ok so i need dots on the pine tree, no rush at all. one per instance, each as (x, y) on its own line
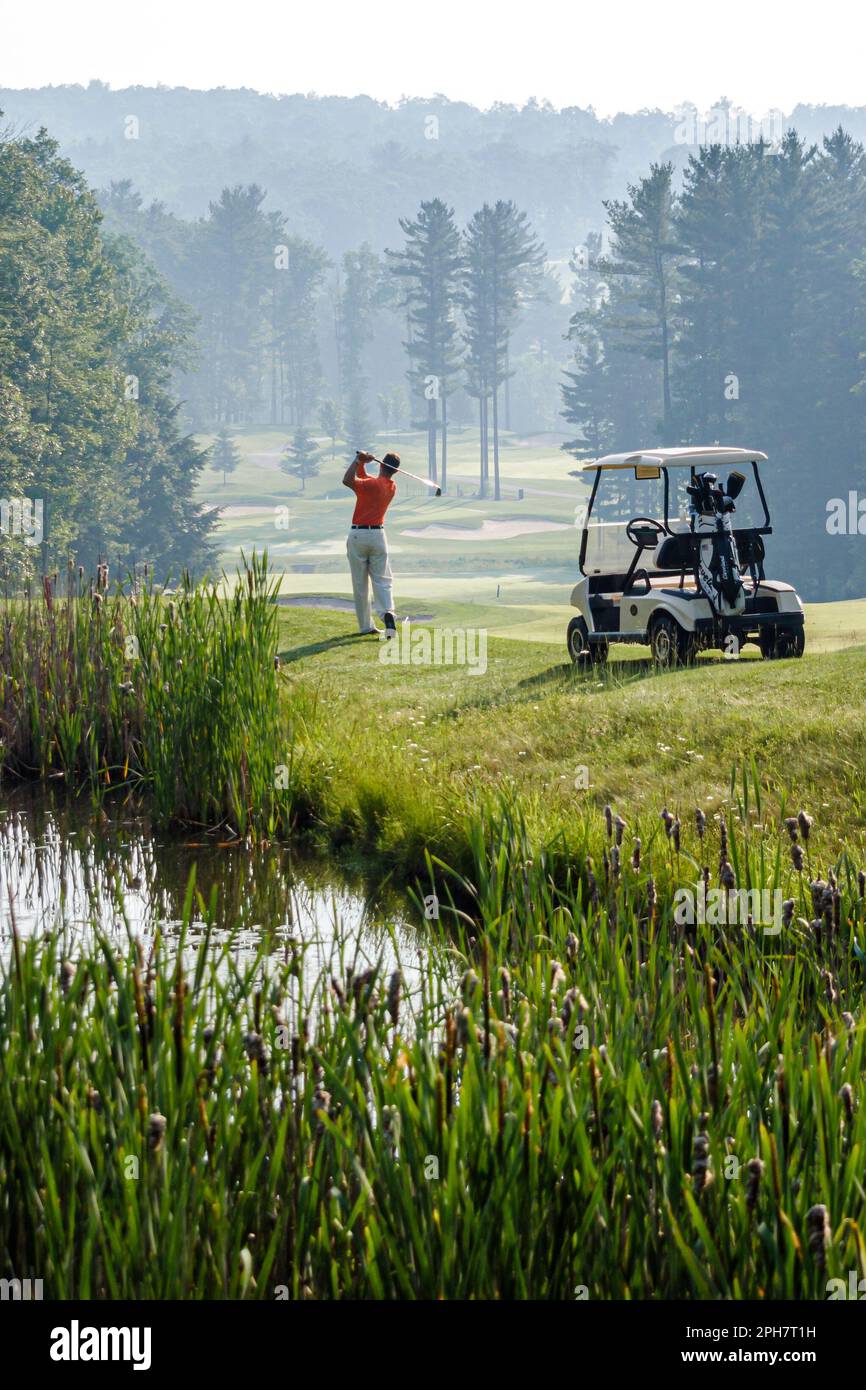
(504, 263)
(302, 458)
(225, 454)
(431, 268)
(330, 422)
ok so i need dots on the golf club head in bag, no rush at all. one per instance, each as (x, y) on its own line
(717, 572)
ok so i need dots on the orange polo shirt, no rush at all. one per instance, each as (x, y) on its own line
(373, 495)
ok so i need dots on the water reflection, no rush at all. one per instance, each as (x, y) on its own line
(64, 869)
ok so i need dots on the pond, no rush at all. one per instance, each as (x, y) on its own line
(65, 869)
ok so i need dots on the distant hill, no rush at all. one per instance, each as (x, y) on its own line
(345, 169)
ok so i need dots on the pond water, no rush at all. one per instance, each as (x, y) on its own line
(64, 869)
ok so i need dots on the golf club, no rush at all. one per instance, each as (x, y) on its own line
(404, 472)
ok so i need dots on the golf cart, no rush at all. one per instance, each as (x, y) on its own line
(672, 555)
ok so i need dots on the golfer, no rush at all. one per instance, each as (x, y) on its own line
(366, 545)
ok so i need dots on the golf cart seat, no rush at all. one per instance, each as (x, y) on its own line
(676, 552)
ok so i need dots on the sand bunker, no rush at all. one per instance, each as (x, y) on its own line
(487, 531)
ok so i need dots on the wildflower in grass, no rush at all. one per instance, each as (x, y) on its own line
(726, 876)
(723, 840)
(792, 827)
(67, 975)
(797, 858)
(805, 823)
(818, 1231)
(675, 835)
(619, 825)
(861, 883)
(635, 855)
(822, 897)
(788, 912)
(321, 1105)
(755, 1170)
(608, 820)
(668, 820)
(614, 860)
(700, 822)
(571, 946)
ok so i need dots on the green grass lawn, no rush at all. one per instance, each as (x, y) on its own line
(410, 749)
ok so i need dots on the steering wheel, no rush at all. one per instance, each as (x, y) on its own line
(643, 521)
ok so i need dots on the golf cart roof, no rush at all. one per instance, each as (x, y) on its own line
(711, 456)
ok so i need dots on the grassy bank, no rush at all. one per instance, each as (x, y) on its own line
(407, 755)
(589, 1101)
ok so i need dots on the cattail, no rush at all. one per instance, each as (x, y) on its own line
(608, 820)
(723, 840)
(394, 987)
(635, 855)
(468, 985)
(700, 822)
(619, 825)
(792, 825)
(67, 975)
(726, 876)
(847, 1097)
(797, 857)
(668, 820)
(861, 883)
(702, 1173)
(788, 912)
(321, 1105)
(614, 860)
(805, 823)
(557, 976)
(592, 883)
(658, 1119)
(675, 835)
(755, 1169)
(155, 1131)
(254, 1046)
(573, 1002)
(818, 1228)
(651, 897)
(571, 946)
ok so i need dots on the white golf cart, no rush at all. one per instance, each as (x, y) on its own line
(673, 556)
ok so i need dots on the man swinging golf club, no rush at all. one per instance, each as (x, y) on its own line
(366, 545)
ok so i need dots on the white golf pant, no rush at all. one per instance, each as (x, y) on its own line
(368, 561)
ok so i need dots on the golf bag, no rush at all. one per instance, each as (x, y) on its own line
(717, 570)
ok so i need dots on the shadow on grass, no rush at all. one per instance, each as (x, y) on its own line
(315, 648)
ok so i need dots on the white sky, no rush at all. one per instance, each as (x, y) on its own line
(614, 55)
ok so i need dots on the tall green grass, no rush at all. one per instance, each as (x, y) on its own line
(174, 696)
(182, 1124)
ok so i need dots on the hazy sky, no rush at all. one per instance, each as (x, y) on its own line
(613, 56)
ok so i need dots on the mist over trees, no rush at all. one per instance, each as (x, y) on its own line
(425, 268)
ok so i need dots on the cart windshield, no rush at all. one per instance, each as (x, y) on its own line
(622, 497)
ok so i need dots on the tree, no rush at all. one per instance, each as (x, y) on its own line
(302, 458)
(431, 269)
(225, 454)
(330, 422)
(504, 262)
(357, 304)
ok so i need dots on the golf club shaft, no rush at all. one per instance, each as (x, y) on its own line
(403, 472)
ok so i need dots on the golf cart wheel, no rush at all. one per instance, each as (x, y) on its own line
(778, 646)
(580, 649)
(670, 646)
